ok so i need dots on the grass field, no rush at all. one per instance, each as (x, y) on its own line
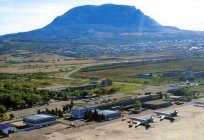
(197, 64)
(45, 62)
(124, 74)
(123, 88)
(151, 81)
(31, 83)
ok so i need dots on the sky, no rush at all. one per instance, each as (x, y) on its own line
(25, 15)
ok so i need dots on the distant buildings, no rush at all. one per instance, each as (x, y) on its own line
(39, 120)
(188, 74)
(7, 129)
(143, 75)
(173, 74)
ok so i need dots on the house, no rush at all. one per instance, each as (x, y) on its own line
(40, 120)
(7, 129)
(80, 113)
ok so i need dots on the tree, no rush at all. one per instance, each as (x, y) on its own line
(60, 114)
(95, 115)
(53, 112)
(84, 93)
(138, 105)
(2, 109)
(33, 99)
(46, 99)
(65, 107)
(102, 117)
(90, 115)
(11, 116)
(39, 111)
(112, 91)
(21, 103)
(103, 91)
(71, 104)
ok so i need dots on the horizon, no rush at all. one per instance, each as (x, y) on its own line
(21, 16)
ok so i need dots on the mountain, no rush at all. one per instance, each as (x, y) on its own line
(92, 20)
(106, 15)
(96, 30)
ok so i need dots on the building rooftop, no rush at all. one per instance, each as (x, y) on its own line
(106, 112)
(156, 102)
(176, 97)
(4, 126)
(39, 117)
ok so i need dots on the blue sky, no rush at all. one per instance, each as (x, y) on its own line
(25, 15)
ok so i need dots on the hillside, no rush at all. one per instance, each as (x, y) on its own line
(93, 21)
(92, 30)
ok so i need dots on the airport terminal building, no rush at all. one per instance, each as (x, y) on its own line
(40, 120)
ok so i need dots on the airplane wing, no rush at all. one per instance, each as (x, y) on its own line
(137, 123)
(162, 113)
(162, 117)
(137, 119)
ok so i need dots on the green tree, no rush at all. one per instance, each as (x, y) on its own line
(39, 111)
(2, 109)
(21, 103)
(89, 116)
(165, 96)
(60, 114)
(11, 116)
(71, 104)
(95, 116)
(138, 105)
(84, 93)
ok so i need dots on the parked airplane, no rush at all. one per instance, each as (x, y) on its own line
(145, 122)
(167, 115)
(199, 103)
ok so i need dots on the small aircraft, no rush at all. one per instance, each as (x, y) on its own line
(199, 103)
(167, 115)
(145, 122)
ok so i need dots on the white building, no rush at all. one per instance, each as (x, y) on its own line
(7, 129)
(40, 120)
